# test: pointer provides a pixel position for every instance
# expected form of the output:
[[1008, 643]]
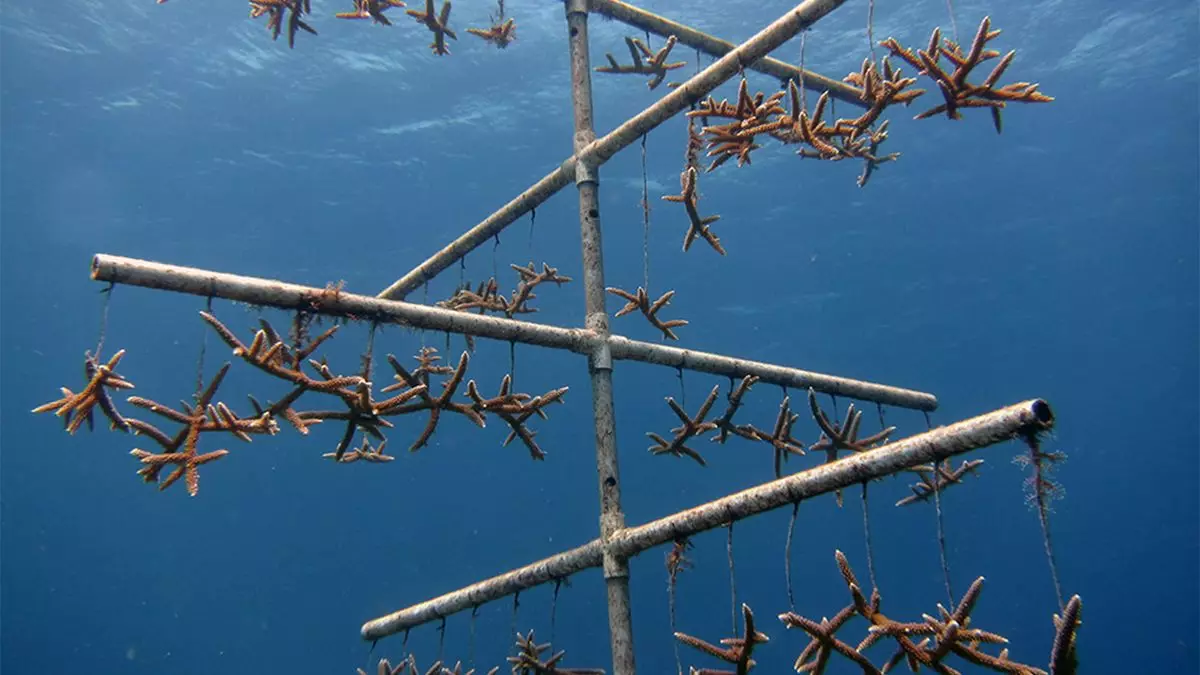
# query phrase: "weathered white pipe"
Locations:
[[602, 149], [716, 47], [272, 293], [927, 448]]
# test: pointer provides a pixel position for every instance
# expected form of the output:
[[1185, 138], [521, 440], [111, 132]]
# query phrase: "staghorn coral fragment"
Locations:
[[780, 437], [751, 115], [946, 476], [725, 423], [949, 635], [692, 426], [269, 353], [435, 405], [181, 450], [365, 452], [641, 301], [528, 660], [843, 436], [824, 643], [871, 158], [881, 86], [268, 358], [515, 409], [957, 92], [655, 65], [76, 409], [371, 9], [437, 23], [186, 463], [1063, 660], [737, 651], [362, 410], [499, 34], [274, 9], [487, 298], [698, 225], [502, 30], [386, 668]]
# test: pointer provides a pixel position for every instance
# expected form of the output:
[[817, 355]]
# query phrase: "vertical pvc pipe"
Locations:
[[587, 180]]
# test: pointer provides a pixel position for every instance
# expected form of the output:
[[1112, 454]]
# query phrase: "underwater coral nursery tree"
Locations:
[[783, 116]]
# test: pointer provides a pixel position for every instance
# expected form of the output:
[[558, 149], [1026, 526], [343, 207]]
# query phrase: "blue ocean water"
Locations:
[[1057, 260]]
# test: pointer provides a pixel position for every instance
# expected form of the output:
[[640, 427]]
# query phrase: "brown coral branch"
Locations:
[[437, 23], [641, 301], [945, 477], [692, 426], [698, 225], [76, 409], [738, 651], [655, 63]]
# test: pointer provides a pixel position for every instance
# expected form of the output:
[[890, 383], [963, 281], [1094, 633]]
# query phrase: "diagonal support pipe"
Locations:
[[716, 47], [599, 151], [926, 448], [272, 293]]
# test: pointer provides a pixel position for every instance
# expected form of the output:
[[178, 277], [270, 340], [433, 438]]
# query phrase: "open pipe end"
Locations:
[[95, 268], [1042, 413]]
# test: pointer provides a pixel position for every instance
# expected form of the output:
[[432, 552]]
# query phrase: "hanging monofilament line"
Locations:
[[199, 359], [554, 608], [107, 292], [1041, 487], [867, 514], [676, 562], [953, 21], [871, 28], [532, 222], [369, 354], [787, 557], [462, 270], [671, 609], [425, 301], [941, 532], [441, 639], [512, 372], [867, 537], [732, 582], [370, 652], [682, 388], [495, 248], [803, 95], [645, 221], [471, 639], [516, 605]]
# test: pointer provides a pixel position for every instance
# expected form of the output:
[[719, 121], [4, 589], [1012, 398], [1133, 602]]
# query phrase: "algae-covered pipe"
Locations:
[[925, 448]]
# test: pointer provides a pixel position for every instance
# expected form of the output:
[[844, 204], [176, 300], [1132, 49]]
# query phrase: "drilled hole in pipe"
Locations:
[[610, 481], [593, 213], [574, 32]]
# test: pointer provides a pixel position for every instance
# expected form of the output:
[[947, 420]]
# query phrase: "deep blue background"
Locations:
[[1058, 260]]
